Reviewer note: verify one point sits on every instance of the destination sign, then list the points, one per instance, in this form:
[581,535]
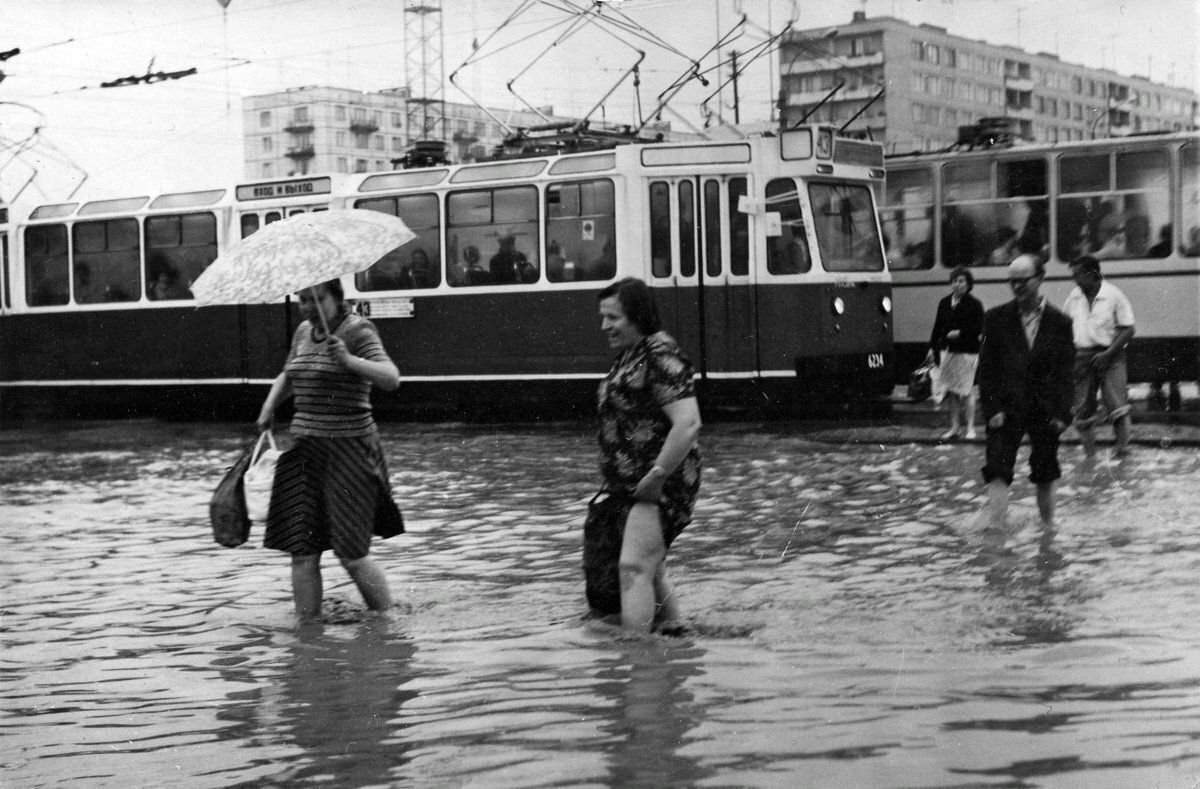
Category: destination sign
[302,187]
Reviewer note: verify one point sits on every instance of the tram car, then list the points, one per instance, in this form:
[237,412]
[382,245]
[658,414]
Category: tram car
[1132,202]
[764,255]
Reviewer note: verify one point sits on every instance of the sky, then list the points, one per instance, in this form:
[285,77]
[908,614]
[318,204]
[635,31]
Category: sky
[63,136]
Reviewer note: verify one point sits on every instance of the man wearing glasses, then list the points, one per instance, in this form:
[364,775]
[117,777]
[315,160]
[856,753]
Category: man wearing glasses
[1026,387]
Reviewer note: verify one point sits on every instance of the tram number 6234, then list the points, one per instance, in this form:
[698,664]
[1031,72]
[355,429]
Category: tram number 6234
[874,361]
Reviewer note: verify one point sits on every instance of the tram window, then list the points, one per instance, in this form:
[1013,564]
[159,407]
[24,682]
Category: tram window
[417,264]
[739,230]
[249,224]
[787,253]
[106,262]
[179,248]
[687,229]
[712,228]
[1189,164]
[1119,217]
[660,229]
[580,231]
[845,225]
[503,222]
[908,219]
[273,216]
[47,266]
[989,224]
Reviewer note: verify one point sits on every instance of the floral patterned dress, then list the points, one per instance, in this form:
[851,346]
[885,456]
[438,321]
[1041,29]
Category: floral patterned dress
[633,426]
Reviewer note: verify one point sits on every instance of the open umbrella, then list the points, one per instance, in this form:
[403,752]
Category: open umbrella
[299,252]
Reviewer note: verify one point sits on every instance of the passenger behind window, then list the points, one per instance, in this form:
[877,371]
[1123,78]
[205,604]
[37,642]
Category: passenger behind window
[83,284]
[555,264]
[604,266]
[1163,248]
[1137,235]
[390,273]
[1192,249]
[509,265]
[1006,245]
[419,270]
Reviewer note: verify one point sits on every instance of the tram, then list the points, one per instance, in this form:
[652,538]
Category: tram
[1133,202]
[764,255]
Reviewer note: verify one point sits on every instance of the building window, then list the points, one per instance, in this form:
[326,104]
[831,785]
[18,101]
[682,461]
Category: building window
[266,144]
[339,139]
[300,114]
[264,118]
[342,164]
[397,143]
[377,142]
[339,113]
[267,169]
[360,165]
[951,58]
[397,120]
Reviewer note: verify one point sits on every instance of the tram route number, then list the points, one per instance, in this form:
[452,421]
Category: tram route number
[874,361]
[401,307]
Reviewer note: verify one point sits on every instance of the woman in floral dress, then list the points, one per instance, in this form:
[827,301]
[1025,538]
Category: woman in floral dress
[649,423]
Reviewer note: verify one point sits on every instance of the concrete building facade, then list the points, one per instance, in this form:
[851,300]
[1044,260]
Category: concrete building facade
[937,82]
[325,129]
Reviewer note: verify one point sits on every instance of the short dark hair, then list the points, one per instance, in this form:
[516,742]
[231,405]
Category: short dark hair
[1087,264]
[637,302]
[335,289]
[965,273]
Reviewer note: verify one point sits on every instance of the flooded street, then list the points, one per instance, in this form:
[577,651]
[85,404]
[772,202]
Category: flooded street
[848,623]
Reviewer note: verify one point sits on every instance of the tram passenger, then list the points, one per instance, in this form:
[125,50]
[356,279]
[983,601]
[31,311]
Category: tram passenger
[1025,386]
[1102,320]
[507,266]
[649,456]
[331,489]
[954,343]
[1162,248]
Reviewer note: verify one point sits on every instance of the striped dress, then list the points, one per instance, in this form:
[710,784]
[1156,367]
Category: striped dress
[331,489]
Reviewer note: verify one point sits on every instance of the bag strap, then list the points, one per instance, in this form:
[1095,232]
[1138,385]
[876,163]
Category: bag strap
[266,435]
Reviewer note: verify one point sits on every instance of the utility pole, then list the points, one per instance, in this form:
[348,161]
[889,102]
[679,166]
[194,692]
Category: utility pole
[737,112]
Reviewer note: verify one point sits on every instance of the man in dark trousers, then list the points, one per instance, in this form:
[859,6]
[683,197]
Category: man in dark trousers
[1026,386]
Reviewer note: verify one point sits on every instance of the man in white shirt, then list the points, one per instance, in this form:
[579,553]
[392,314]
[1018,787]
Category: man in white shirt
[1102,320]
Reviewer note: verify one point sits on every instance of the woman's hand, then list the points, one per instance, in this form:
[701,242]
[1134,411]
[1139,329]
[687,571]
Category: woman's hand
[265,421]
[649,487]
[339,351]
[953,334]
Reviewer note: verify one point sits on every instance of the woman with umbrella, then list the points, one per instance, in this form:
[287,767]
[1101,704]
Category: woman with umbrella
[331,490]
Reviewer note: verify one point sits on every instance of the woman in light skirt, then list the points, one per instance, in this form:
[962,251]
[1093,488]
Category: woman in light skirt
[954,344]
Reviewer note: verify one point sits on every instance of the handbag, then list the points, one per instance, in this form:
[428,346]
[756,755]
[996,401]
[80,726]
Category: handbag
[603,530]
[259,477]
[920,383]
[227,509]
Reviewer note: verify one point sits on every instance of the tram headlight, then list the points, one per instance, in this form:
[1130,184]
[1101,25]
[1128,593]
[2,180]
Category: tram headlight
[839,306]
[885,304]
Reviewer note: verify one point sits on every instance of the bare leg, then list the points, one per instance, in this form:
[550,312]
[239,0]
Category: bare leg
[971,401]
[1045,502]
[371,582]
[997,503]
[307,587]
[664,596]
[1121,428]
[955,407]
[642,552]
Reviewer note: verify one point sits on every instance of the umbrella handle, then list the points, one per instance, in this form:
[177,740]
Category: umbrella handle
[320,312]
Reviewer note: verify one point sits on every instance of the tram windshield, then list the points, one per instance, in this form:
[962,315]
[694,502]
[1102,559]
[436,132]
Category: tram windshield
[844,220]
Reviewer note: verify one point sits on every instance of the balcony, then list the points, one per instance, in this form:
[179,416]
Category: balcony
[1021,113]
[807,64]
[296,126]
[363,126]
[1023,84]
[301,152]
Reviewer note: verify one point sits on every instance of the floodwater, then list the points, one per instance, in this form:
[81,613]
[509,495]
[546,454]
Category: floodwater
[847,624]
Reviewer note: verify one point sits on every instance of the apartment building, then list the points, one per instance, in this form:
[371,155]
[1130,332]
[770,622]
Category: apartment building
[325,129]
[913,86]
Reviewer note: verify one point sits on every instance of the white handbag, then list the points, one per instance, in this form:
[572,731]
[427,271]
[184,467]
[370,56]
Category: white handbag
[260,476]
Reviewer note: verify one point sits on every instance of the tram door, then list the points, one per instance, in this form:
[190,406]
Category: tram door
[699,261]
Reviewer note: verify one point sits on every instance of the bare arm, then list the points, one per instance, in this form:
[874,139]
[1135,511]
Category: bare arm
[383,374]
[685,428]
[281,390]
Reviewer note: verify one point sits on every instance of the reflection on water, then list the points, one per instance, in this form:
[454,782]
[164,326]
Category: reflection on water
[849,623]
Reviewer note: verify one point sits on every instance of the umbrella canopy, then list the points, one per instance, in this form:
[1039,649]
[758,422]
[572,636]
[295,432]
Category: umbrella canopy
[299,252]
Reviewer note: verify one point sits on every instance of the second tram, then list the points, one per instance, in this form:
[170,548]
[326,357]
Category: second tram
[1132,202]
